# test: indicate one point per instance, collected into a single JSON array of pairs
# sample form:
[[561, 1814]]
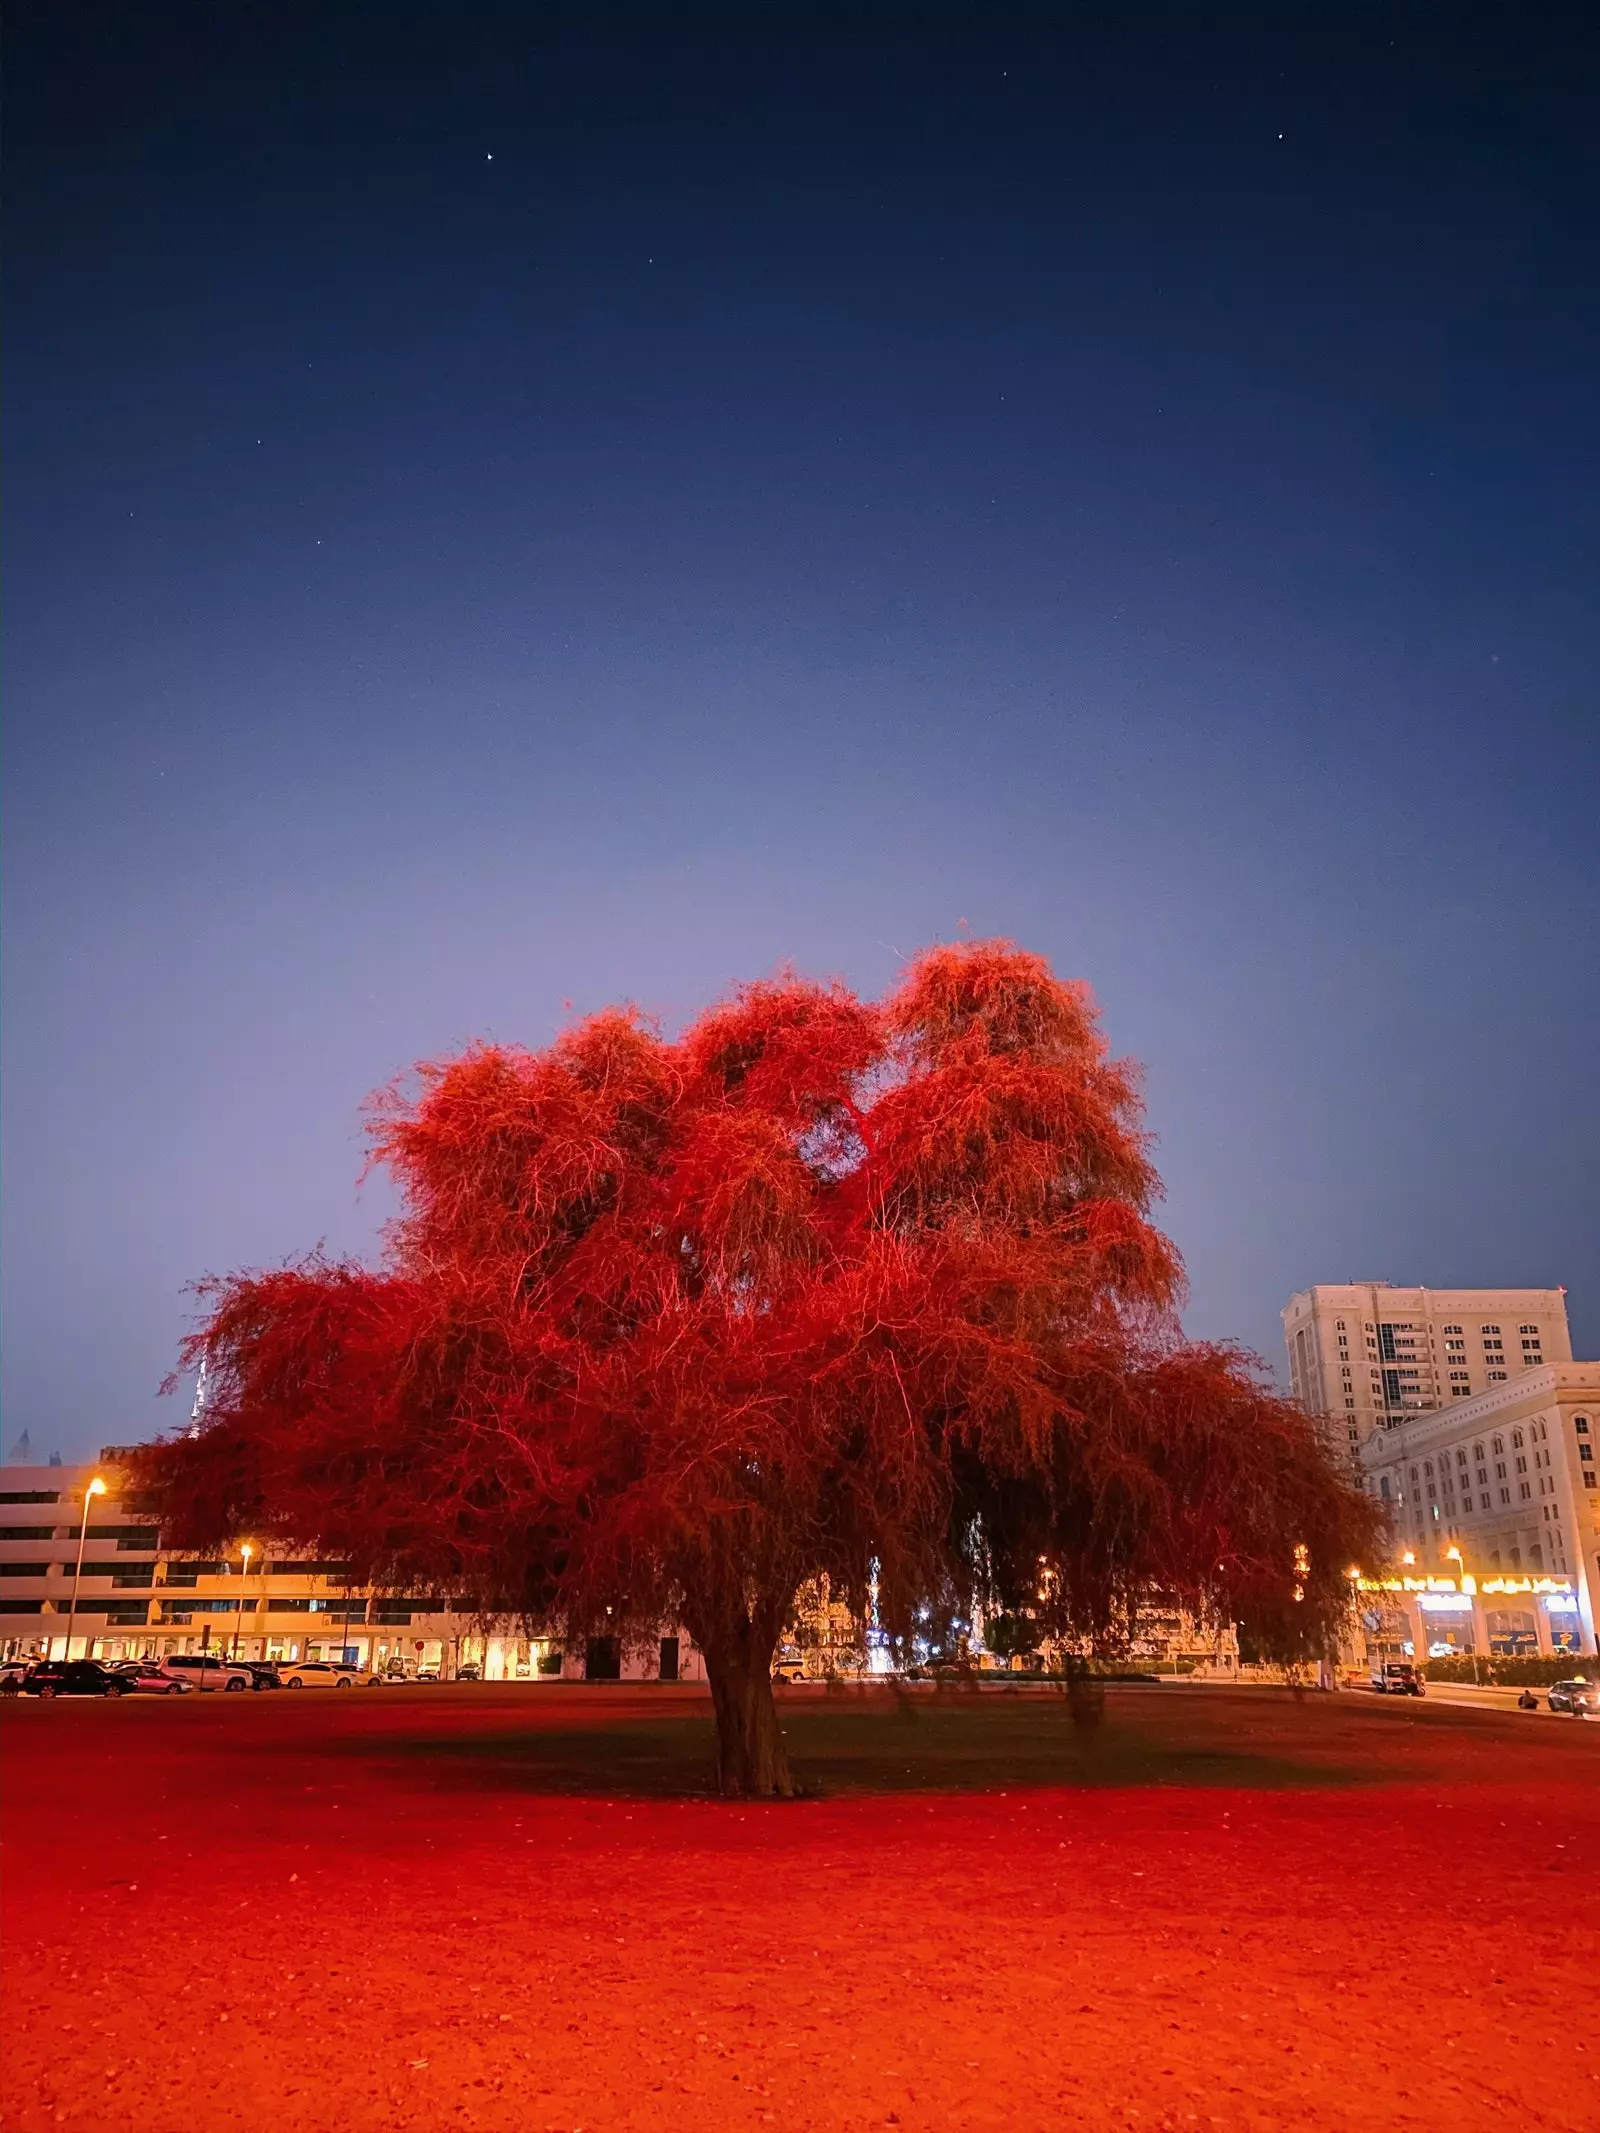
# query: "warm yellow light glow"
[[246, 1551], [1354, 1571], [96, 1487], [1558, 1587], [1408, 1557]]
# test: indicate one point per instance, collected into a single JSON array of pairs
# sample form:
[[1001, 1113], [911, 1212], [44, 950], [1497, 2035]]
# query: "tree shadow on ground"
[[875, 1744]]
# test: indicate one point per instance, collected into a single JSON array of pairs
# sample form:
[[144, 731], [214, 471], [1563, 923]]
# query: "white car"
[[327, 1674], [207, 1671]]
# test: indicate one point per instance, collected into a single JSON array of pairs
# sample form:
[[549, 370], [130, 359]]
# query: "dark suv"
[[74, 1677]]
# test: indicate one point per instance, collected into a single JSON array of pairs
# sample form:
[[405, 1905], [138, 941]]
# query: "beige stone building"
[[1500, 1489], [1365, 1354]]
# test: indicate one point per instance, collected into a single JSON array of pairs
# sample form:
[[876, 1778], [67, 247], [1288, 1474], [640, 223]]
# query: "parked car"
[[146, 1677], [208, 1670], [12, 1675], [470, 1672], [1397, 1677], [427, 1673], [74, 1677], [264, 1674], [788, 1670], [1580, 1697], [328, 1674]]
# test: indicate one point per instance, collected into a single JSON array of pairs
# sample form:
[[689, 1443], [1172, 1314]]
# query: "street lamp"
[[246, 1550], [96, 1488], [1453, 1555]]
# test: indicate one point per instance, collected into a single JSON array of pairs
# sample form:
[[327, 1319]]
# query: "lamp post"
[[246, 1550], [96, 1488], [1453, 1555]]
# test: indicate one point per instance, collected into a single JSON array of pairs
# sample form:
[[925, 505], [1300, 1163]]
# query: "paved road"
[[1471, 1699]]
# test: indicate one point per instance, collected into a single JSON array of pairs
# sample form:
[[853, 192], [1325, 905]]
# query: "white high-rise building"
[[1365, 1353]]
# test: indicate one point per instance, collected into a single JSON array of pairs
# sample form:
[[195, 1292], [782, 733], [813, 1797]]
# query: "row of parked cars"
[[179, 1674]]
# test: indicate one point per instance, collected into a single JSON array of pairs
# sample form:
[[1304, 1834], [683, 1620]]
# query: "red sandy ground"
[[300, 1913]]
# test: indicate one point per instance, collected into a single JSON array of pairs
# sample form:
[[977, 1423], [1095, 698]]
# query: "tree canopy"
[[668, 1326]]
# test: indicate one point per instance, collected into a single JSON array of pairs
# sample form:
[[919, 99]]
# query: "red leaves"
[[820, 1284]]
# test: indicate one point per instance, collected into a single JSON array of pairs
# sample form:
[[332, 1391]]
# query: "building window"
[[1523, 1489], [1488, 1329], [1581, 1424], [1496, 1376], [1527, 1329]]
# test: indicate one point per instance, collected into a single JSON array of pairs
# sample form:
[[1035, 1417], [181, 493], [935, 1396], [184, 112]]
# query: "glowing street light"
[[1466, 1585], [96, 1488], [246, 1549]]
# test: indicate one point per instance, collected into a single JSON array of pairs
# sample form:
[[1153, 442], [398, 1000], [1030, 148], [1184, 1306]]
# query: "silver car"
[[1580, 1697]]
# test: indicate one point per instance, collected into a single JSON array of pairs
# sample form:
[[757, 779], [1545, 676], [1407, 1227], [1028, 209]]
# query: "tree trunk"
[[752, 1761], [1086, 1693]]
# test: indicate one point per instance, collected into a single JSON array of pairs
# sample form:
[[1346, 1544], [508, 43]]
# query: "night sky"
[[511, 508]]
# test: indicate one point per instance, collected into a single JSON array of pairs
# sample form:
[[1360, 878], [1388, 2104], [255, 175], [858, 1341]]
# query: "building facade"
[[1501, 1488], [1365, 1355], [133, 1599]]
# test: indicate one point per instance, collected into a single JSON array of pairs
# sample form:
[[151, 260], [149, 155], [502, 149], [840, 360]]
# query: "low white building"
[[1501, 1490], [130, 1599]]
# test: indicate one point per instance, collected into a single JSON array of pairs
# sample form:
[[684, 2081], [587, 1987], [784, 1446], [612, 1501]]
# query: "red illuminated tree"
[[824, 1285]]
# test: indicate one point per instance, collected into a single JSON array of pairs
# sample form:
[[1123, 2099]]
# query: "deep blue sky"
[[1124, 478]]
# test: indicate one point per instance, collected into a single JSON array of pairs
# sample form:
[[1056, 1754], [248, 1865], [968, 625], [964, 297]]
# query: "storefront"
[[1442, 1618]]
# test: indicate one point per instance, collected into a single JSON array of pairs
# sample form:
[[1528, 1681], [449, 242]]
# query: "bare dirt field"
[[515, 1908]]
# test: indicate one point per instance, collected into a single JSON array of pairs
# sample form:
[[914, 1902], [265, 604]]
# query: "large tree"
[[822, 1285]]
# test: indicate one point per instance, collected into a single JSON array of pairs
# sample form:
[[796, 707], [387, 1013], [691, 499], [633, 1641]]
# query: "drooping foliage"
[[822, 1286]]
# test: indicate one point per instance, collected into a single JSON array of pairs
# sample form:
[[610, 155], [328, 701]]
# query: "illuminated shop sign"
[[1556, 1589]]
